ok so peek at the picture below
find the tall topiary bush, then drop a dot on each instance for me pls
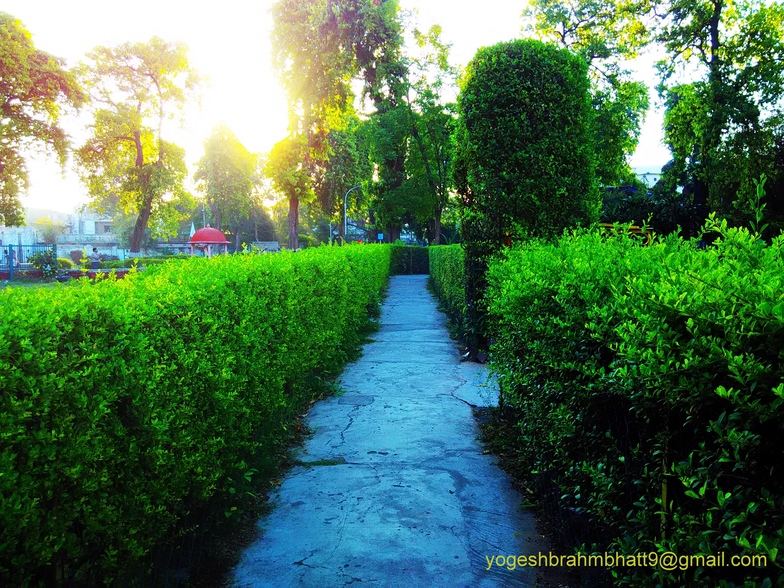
(525, 160)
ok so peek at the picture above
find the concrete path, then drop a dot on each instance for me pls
(399, 492)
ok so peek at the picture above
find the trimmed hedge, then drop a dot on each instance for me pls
(649, 388)
(447, 279)
(409, 259)
(130, 262)
(128, 403)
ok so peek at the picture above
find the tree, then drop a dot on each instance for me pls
(604, 33)
(137, 87)
(226, 175)
(318, 49)
(34, 87)
(49, 230)
(432, 122)
(286, 167)
(714, 125)
(722, 125)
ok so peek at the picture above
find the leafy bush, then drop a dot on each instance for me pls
(65, 263)
(46, 261)
(409, 260)
(128, 403)
(650, 392)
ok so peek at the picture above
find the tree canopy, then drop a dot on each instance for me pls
(319, 48)
(604, 33)
(721, 81)
(34, 88)
(721, 127)
(135, 88)
(226, 175)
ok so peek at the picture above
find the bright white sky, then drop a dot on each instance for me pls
(229, 45)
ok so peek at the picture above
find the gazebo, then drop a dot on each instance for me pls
(207, 237)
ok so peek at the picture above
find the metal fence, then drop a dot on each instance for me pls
(16, 258)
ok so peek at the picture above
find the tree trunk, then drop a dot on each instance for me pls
(437, 230)
(146, 209)
(216, 215)
(238, 239)
(294, 223)
(392, 233)
(141, 225)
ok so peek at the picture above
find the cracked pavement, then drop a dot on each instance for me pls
(408, 498)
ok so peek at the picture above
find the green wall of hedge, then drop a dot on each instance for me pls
(447, 279)
(127, 403)
(649, 388)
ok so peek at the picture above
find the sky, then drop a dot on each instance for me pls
(229, 45)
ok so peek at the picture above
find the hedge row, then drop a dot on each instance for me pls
(126, 404)
(447, 279)
(409, 259)
(649, 388)
(130, 262)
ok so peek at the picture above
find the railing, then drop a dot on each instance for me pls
(82, 238)
(17, 257)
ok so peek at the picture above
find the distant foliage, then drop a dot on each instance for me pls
(128, 403)
(649, 393)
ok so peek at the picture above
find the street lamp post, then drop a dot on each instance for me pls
(344, 209)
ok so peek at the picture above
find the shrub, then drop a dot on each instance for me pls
(46, 261)
(127, 404)
(525, 120)
(65, 263)
(650, 392)
(76, 256)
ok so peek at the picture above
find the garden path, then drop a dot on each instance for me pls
(395, 489)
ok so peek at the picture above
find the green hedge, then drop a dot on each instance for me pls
(447, 279)
(130, 262)
(648, 384)
(125, 404)
(408, 259)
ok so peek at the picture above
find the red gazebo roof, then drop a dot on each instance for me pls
(208, 235)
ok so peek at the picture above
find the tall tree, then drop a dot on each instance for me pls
(135, 88)
(34, 87)
(49, 230)
(735, 51)
(226, 175)
(604, 33)
(722, 125)
(432, 122)
(290, 175)
(319, 47)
